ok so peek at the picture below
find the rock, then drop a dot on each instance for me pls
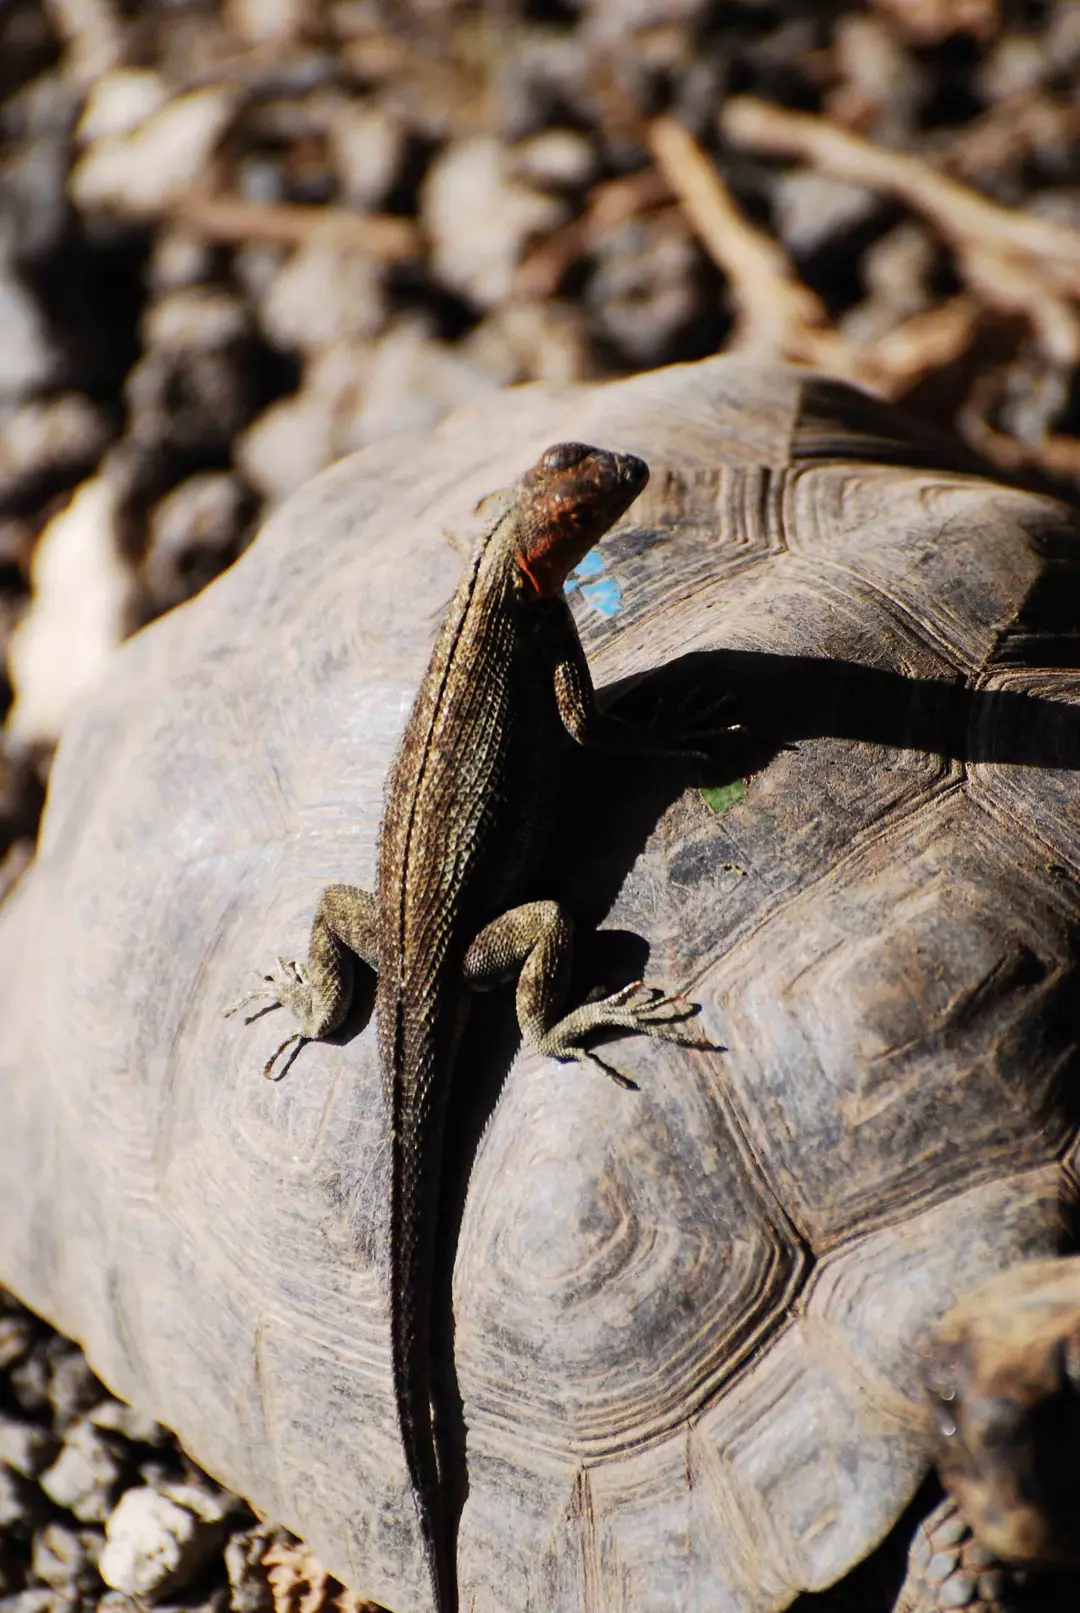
(179, 260)
(47, 445)
(80, 610)
(27, 1448)
(479, 219)
(66, 1558)
(120, 102)
(249, 1575)
(20, 1503)
(812, 208)
(560, 159)
(195, 531)
(194, 388)
(30, 359)
(527, 339)
(73, 1388)
(643, 289)
(85, 1476)
(92, 31)
(270, 22)
(322, 295)
(156, 1543)
(138, 174)
(114, 1417)
(287, 444)
(17, 1331)
(38, 1599)
(411, 382)
(367, 148)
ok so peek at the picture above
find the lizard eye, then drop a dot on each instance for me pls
(565, 455)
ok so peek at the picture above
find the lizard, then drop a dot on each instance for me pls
(506, 696)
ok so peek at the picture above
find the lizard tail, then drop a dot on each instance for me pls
(413, 1262)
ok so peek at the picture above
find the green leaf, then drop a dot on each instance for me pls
(724, 796)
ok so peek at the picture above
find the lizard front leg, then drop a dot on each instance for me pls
(535, 943)
(595, 729)
(320, 990)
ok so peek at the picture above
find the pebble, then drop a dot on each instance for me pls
(322, 295)
(30, 359)
(27, 1448)
(479, 218)
(157, 1541)
(367, 147)
(86, 1475)
(120, 102)
(812, 210)
(195, 530)
(140, 173)
(79, 612)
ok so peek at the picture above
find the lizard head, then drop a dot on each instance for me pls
(569, 499)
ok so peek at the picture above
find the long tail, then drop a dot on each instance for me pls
(415, 1173)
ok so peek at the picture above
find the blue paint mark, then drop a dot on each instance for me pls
(603, 594)
(590, 566)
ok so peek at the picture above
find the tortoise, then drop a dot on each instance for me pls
(694, 1334)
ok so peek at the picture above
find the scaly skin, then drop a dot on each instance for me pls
(506, 695)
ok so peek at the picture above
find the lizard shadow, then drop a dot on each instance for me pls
(610, 806)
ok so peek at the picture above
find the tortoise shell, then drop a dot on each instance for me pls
(686, 1318)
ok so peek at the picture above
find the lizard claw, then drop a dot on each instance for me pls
(296, 1042)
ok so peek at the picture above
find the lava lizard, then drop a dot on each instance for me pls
(506, 695)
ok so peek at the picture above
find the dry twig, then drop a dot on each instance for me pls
(776, 315)
(233, 221)
(1014, 261)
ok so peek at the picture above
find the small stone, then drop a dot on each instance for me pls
(30, 359)
(321, 296)
(367, 148)
(178, 260)
(643, 290)
(85, 1476)
(157, 1543)
(480, 218)
(194, 532)
(411, 382)
(20, 1504)
(45, 445)
(812, 209)
(286, 445)
(249, 1580)
(115, 1417)
(140, 173)
(194, 387)
(29, 1380)
(270, 22)
(26, 1447)
(73, 1387)
(65, 1558)
(17, 1334)
(38, 1599)
(120, 102)
(560, 159)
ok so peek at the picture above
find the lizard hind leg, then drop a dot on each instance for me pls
(318, 991)
(535, 942)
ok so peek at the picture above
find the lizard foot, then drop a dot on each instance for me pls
(648, 1010)
(288, 986)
